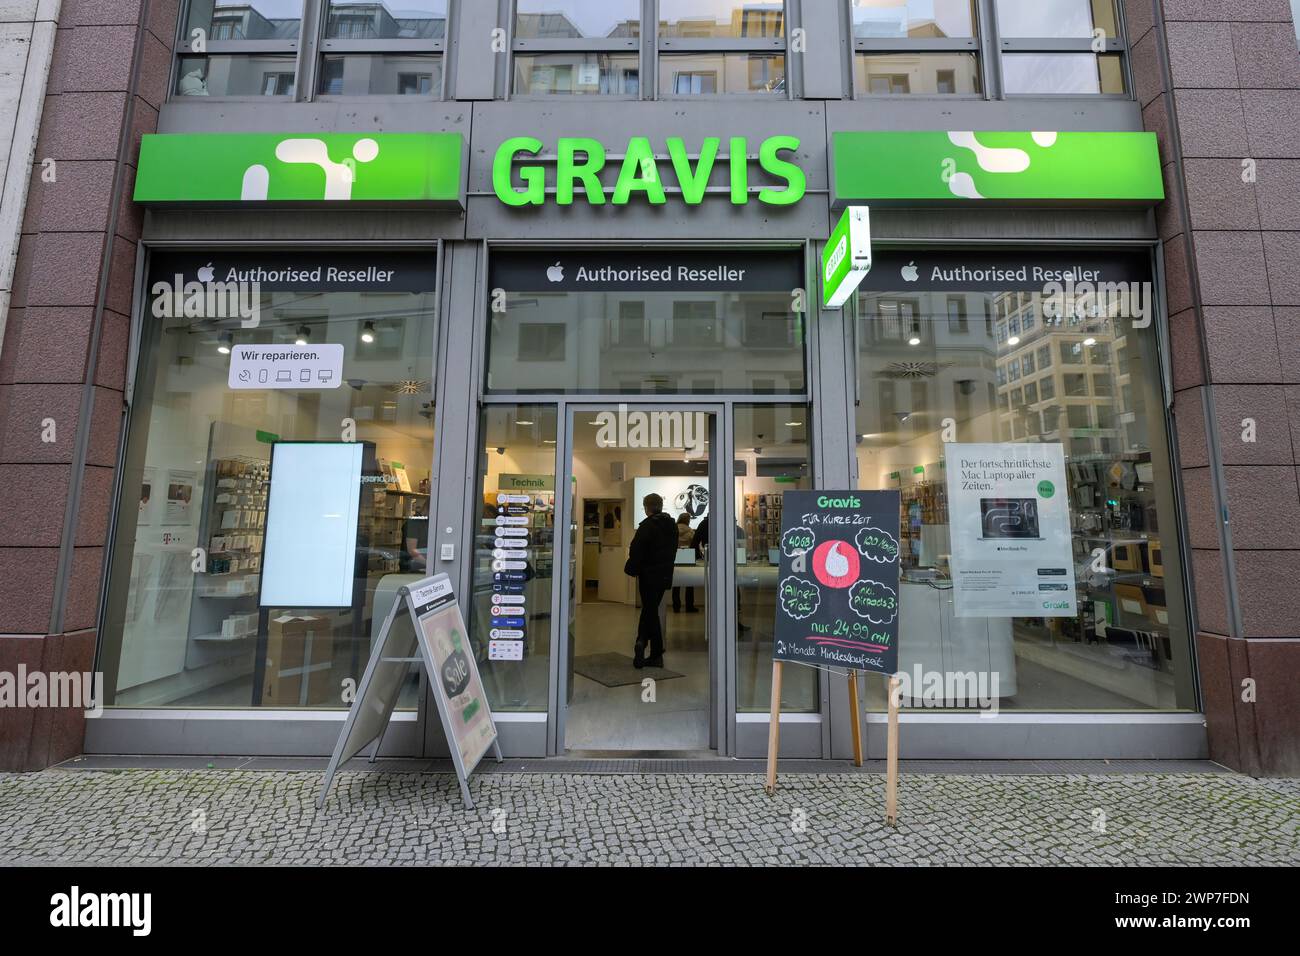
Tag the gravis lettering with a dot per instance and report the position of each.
(826, 502)
(580, 160)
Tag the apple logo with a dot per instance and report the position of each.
(555, 273)
(206, 274)
(909, 272)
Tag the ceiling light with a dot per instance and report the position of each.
(914, 340)
(226, 341)
(368, 332)
(1090, 341)
(548, 441)
(793, 424)
(1014, 340)
(304, 334)
(520, 421)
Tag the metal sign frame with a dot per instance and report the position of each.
(383, 707)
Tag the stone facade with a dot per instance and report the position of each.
(64, 357)
(1219, 83)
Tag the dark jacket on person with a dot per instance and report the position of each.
(654, 548)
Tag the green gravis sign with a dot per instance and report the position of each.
(938, 166)
(579, 160)
(300, 167)
(868, 167)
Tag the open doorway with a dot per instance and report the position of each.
(631, 466)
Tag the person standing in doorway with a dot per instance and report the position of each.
(685, 539)
(650, 561)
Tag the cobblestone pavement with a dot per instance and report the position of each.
(248, 817)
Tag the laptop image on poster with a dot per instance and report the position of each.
(1003, 518)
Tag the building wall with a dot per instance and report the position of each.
(1215, 79)
(1219, 83)
(63, 364)
(27, 30)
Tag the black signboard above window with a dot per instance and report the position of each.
(303, 271)
(648, 270)
(894, 270)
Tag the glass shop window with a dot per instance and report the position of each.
(591, 321)
(277, 357)
(1055, 492)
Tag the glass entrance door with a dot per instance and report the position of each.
(641, 668)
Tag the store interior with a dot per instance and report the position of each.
(608, 707)
(185, 625)
(939, 368)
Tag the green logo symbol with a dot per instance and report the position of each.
(1046, 489)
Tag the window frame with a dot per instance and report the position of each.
(677, 46)
(1117, 44)
(574, 45)
(343, 47)
(183, 51)
(867, 46)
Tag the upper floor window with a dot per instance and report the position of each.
(711, 47)
(577, 48)
(239, 48)
(243, 48)
(1060, 46)
(927, 47)
(383, 47)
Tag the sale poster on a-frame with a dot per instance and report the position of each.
(837, 592)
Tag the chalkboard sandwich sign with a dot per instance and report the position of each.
(837, 596)
(838, 603)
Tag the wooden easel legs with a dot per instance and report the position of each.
(891, 756)
(774, 729)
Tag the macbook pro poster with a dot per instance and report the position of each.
(1010, 522)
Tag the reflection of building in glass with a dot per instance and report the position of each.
(648, 342)
(947, 372)
(245, 22)
(1063, 379)
(558, 26)
(902, 73)
(374, 21)
(765, 20)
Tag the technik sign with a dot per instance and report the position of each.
(578, 162)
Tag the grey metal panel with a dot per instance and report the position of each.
(274, 734)
(825, 31)
(269, 733)
(1038, 736)
(833, 423)
(455, 427)
(474, 66)
(344, 226)
(802, 738)
(1007, 224)
(1022, 113)
(406, 114)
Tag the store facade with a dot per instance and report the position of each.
(530, 277)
